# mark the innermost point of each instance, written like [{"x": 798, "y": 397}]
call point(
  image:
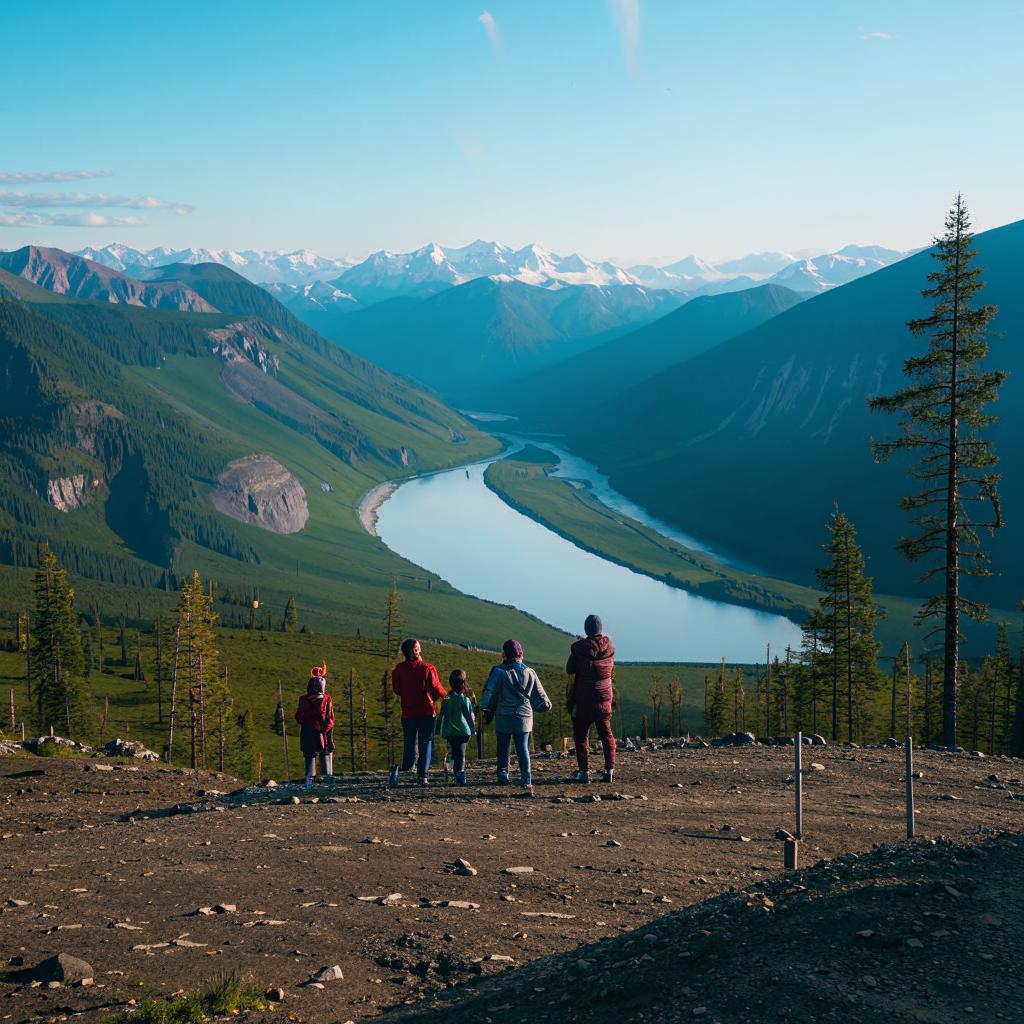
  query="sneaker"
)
[
  {"x": 502, "y": 778},
  {"x": 393, "y": 777},
  {"x": 607, "y": 776},
  {"x": 527, "y": 789},
  {"x": 582, "y": 777},
  {"x": 424, "y": 781},
  {"x": 460, "y": 778}
]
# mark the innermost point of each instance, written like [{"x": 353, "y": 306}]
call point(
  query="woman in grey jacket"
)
[{"x": 511, "y": 695}]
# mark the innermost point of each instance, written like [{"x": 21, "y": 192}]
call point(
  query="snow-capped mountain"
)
[
  {"x": 432, "y": 268},
  {"x": 757, "y": 265},
  {"x": 314, "y": 296},
  {"x": 830, "y": 270},
  {"x": 261, "y": 266}
]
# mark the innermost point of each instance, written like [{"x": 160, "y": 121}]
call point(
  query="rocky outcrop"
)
[
  {"x": 242, "y": 341},
  {"x": 90, "y": 418},
  {"x": 130, "y": 748},
  {"x": 259, "y": 490},
  {"x": 68, "y": 493}
]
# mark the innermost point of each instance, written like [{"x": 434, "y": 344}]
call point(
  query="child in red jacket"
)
[{"x": 315, "y": 714}]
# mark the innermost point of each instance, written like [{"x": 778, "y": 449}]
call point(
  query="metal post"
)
[
  {"x": 909, "y": 748},
  {"x": 790, "y": 851},
  {"x": 798, "y": 757}
]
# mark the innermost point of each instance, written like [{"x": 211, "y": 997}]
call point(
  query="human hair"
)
[
  {"x": 407, "y": 645},
  {"x": 457, "y": 680}
]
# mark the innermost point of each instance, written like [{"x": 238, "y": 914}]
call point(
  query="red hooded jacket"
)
[
  {"x": 316, "y": 716},
  {"x": 418, "y": 686},
  {"x": 592, "y": 663}
]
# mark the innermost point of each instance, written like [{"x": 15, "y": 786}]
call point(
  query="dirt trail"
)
[{"x": 105, "y": 872}]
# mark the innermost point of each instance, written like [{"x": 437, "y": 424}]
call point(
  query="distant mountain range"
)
[
  {"x": 260, "y": 266},
  {"x": 305, "y": 281},
  {"x": 66, "y": 274}
]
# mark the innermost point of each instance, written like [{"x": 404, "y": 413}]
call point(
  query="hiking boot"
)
[
  {"x": 503, "y": 778},
  {"x": 583, "y": 778},
  {"x": 607, "y": 776},
  {"x": 424, "y": 781},
  {"x": 393, "y": 777},
  {"x": 527, "y": 789},
  {"x": 309, "y": 785},
  {"x": 460, "y": 778}
]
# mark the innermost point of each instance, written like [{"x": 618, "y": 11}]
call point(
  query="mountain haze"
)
[{"x": 553, "y": 396}]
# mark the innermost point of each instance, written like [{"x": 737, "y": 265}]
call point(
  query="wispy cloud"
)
[
  {"x": 67, "y": 220},
  {"x": 627, "y": 22},
  {"x": 471, "y": 146},
  {"x": 29, "y": 177},
  {"x": 36, "y": 200},
  {"x": 866, "y": 34},
  {"x": 491, "y": 28}
]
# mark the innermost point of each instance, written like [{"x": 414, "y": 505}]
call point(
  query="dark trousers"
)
[
  {"x": 580, "y": 730},
  {"x": 457, "y": 745},
  {"x": 417, "y": 733}
]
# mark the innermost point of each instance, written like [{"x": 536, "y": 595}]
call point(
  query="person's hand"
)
[{"x": 488, "y": 717}]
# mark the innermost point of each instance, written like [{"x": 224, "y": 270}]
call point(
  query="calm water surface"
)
[{"x": 453, "y": 525}]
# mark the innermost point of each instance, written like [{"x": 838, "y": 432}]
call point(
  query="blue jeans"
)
[
  {"x": 417, "y": 732},
  {"x": 522, "y": 741}
]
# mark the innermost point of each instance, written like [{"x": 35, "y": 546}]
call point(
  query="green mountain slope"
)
[
  {"x": 557, "y": 394},
  {"x": 117, "y": 423},
  {"x": 753, "y": 442}
]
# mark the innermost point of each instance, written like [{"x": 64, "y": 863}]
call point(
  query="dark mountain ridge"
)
[{"x": 752, "y": 443}]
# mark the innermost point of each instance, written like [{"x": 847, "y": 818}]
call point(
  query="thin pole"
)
[
  {"x": 174, "y": 694},
  {"x": 284, "y": 732},
  {"x": 351, "y": 720},
  {"x": 13, "y": 717},
  {"x": 798, "y": 758},
  {"x": 909, "y": 746}
]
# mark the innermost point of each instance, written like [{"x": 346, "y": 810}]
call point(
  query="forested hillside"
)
[{"x": 143, "y": 443}]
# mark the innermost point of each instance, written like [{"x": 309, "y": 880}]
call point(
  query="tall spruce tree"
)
[
  {"x": 199, "y": 666},
  {"x": 943, "y": 423},
  {"x": 57, "y": 662},
  {"x": 846, "y": 619}
]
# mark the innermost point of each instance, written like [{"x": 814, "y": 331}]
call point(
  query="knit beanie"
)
[
  {"x": 593, "y": 625},
  {"x": 512, "y": 650}
]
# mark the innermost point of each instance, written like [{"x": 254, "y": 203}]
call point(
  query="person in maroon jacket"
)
[
  {"x": 315, "y": 714},
  {"x": 419, "y": 689},
  {"x": 589, "y": 695}
]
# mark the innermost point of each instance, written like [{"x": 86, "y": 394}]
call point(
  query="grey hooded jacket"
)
[{"x": 513, "y": 692}]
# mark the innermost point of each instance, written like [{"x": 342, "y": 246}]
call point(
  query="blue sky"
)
[{"x": 635, "y": 129}]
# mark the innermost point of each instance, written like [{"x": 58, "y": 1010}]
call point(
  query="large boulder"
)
[
  {"x": 64, "y": 968},
  {"x": 259, "y": 490}
]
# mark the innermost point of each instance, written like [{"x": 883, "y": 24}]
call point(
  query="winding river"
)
[{"x": 452, "y": 524}]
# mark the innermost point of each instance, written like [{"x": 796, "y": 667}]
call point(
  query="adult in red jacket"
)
[
  {"x": 589, "y": 695},
  {"x": 315, "y": 714},
  {"x": 418, "y": 687}
]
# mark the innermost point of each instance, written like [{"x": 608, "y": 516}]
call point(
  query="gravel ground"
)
[{"x": 104, "y": 865}]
